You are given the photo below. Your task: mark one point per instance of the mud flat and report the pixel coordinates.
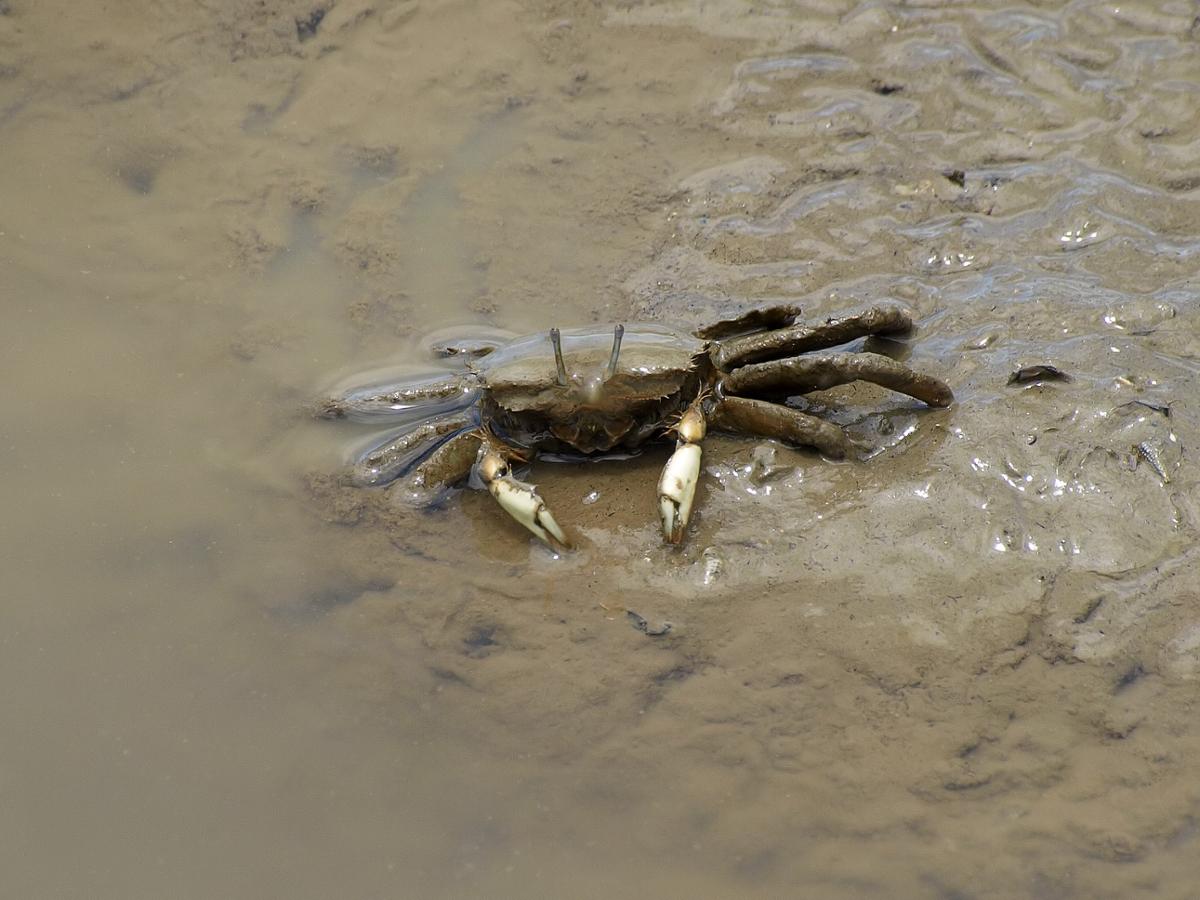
(965, 666)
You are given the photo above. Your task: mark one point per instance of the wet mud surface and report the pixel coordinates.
(964, 666)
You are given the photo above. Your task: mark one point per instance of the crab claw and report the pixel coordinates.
(519, 500)
(677, 489)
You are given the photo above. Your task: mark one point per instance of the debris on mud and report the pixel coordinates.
(641, 624)
(1038, 374)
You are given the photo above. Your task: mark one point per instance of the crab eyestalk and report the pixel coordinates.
(677, 486)
(556, 340)
(618, 333)
(519, 500)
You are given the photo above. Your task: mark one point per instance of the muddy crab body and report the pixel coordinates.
(589, 392)
(591, 407)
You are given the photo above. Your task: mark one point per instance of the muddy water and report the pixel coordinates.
(966, 666)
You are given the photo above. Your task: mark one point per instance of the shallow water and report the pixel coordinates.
(963, 667)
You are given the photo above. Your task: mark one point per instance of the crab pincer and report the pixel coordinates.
(518, 498)
(677, 485)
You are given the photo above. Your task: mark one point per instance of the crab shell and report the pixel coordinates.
(660, 371)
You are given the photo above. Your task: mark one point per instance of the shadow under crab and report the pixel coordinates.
(593, 392)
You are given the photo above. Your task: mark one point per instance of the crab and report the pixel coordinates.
(595, 392)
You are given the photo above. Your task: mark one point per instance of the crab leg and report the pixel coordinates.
(422, 397)
(386, 462)
(760, 318)
(743, 416)
(803, 338)
(815, 373)
(519, 499)
(448, 465)
(677, 485)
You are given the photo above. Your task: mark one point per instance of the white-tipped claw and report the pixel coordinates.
(677, 489)
(521, 501)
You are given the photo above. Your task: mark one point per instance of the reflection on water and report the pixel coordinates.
(962, 667)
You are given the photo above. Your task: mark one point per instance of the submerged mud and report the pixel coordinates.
(963, 665)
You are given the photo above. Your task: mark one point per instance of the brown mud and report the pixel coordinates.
(964, 667)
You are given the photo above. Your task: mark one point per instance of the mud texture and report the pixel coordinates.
(965, 665)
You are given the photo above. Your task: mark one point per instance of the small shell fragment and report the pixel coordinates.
(713, 565)
(1038, 373)
(1153, 457)
(1133, 406)
(643, 625)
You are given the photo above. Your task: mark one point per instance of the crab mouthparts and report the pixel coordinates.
(592, 389)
